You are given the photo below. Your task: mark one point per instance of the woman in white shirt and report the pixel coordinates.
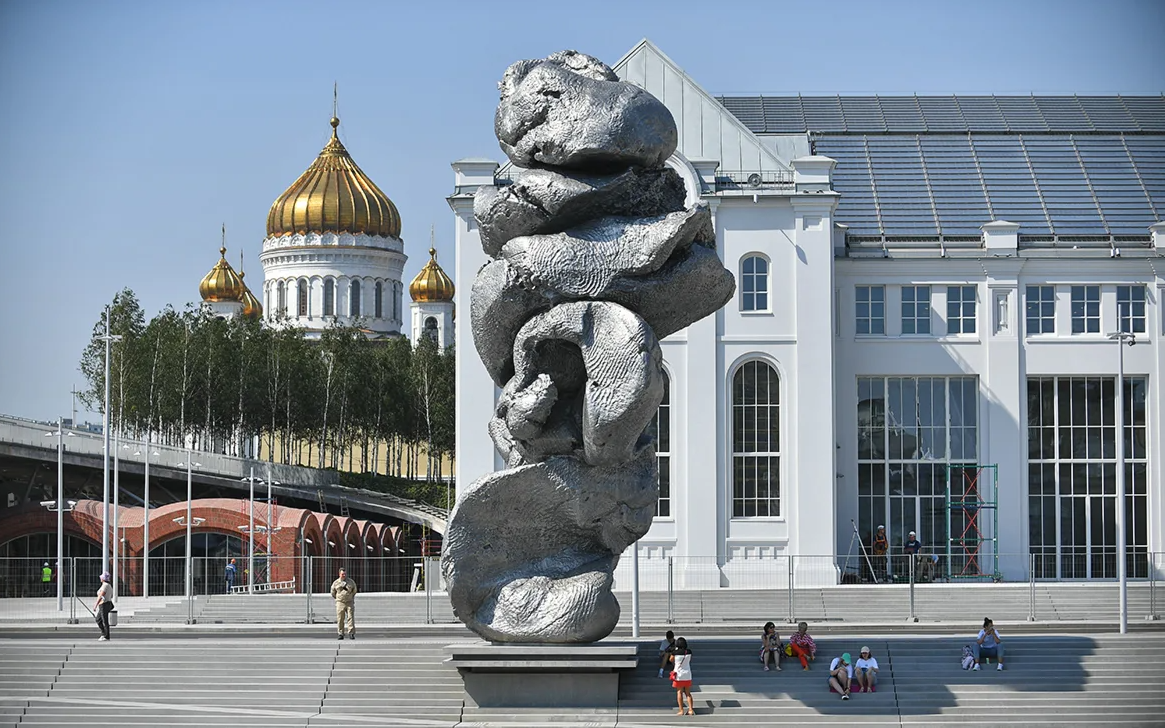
(866, 671)
(103, 606)
(682, 676)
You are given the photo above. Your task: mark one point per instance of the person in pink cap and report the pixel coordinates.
(103, 606)
(866, 671)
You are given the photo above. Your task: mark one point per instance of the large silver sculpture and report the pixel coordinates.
(594, 258)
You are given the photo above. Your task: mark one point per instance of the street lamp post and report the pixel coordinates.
(251, 479)
(146, 522)
(59, 507)
(1121, 337)
(188, 521)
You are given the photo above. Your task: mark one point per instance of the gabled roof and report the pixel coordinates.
(706, 129)
(949, 114)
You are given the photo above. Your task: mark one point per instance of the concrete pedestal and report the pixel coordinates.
(541, 676)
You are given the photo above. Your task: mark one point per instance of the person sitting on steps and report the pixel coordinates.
(666, 649)
(802, 645)
(988, 644)
(770, 646)
(866, 671)
(841, 672)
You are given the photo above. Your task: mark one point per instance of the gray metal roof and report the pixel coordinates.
(952, 114)
(921, 185)
(919, 167)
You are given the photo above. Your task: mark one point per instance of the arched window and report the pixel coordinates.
(430, 329)
(281, 298)
(379, 298)
(754, 284)
(302, 296)
(211, 552)
(354, 299)
(396, 287)
(756, 441)
(330, 297)
(661, 432)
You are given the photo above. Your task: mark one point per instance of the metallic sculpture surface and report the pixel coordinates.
(594, 257)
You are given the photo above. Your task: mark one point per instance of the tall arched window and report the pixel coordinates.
(330, 297)
(756, 441)
(754, 284)
(281, 298)
(430, 329)
(396, 302)
(354, 299)
(302, 296)
(661, 431)
(379, 299)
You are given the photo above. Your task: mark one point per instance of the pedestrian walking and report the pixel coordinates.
(103, 606)
(231, 572)
(344, 592)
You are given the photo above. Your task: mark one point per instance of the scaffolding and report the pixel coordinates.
(972, 522)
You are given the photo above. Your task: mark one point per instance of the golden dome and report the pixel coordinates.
(221, 283)
(431, 284)
(334, 196)
(251, 305)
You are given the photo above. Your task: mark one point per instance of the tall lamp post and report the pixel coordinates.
(59, 506)
(251, 479)
(146, 521)
(108, 338)
(188, 520)
(1121, 337)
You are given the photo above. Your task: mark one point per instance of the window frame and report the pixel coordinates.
(749, 305)
(329, 297)
(774, 463)
(959, 323)
(915, 318)
(355, 298)
(663, 455)
(1128, 319)
(1046, 324)
(869, 318)
(378, 299)
(303, 298)
(1086, 301)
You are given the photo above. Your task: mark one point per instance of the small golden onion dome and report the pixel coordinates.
(431, 284)
(221, 283)
(251, 306)
(334, 196)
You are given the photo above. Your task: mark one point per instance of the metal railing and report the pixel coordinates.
(674, 590)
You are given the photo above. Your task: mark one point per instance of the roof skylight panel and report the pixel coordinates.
(1021, 113)
(1148, 112)
(783, 114)
(1011, 189)
(981, 113)
(901, 113)
(942, 113)
(823, 113)
(1063, 113)
(1107, 113)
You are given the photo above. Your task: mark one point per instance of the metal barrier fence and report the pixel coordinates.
(672, 590)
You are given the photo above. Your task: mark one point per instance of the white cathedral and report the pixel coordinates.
(334, 255)
(934, 297)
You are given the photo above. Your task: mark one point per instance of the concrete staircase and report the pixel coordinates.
(1072, 681)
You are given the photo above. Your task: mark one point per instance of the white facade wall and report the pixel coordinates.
(808, 335)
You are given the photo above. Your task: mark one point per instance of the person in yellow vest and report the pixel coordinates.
(344, 592)
(46, 578)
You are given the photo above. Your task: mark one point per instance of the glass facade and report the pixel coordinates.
(756, 441)
(754, 284)
(1072, 475)
(660, 430)
(916, 309)
(910, 429)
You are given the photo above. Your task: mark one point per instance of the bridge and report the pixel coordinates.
(23, 439)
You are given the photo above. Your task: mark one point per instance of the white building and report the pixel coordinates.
(333, 251)
(925, 291)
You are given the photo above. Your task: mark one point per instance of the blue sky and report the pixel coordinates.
(132, 131)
